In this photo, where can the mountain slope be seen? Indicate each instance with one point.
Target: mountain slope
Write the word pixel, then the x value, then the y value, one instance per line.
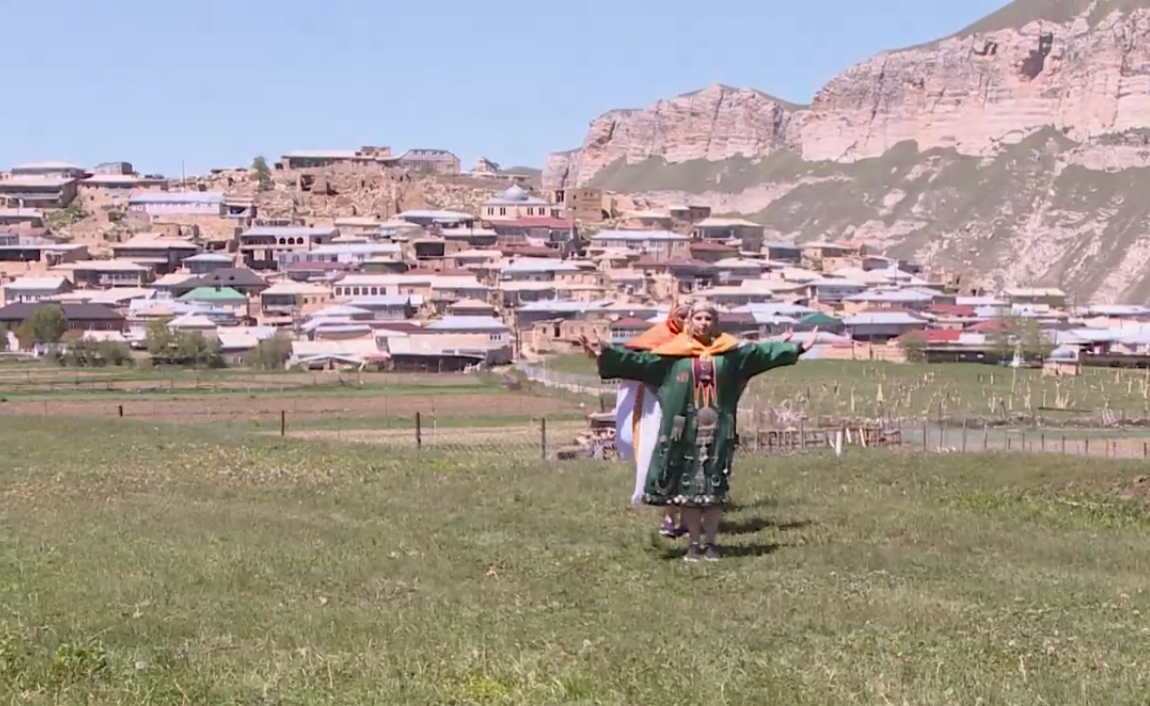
pixel 1013 149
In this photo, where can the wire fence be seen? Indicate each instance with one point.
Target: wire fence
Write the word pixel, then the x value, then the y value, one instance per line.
pixel 467 414
pixel 575 435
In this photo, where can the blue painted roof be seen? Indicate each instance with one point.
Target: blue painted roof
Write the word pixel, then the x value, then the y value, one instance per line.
pixel 205 197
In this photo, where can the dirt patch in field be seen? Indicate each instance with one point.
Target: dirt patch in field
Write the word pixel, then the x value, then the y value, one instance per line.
pixel 80 380
pixel 505 437
pixel 1137 488
pixel 255 409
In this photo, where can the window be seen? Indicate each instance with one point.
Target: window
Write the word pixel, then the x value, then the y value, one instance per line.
pixel 495 337
pixel 355 291
pixel 374 291
pixel 502 211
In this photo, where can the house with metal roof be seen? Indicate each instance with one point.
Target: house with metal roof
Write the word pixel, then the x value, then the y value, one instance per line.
pixel 882 325
pixel 33 289
pixel 37 191
pixel 170 203
pixel 425 160
pixel 80 316
pixel 656 244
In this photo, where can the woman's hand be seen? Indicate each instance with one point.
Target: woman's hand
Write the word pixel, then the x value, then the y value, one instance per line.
pixel 788 335
pixel 812 339
pixel 591 348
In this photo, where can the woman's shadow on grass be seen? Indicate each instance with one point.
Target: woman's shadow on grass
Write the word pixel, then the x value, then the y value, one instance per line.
pixel 737 527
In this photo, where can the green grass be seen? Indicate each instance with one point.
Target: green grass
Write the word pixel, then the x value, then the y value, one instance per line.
pixel 961 390
pixel 205 566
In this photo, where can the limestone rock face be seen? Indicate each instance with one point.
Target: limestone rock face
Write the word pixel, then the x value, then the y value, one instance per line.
pixel 713 124
pixel 1015 151
pixel 971 93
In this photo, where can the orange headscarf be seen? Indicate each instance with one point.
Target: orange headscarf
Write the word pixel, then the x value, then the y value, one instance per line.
pixel 686 345
pixel 656 336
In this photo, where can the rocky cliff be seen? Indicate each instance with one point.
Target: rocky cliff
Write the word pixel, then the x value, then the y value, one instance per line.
pixel 1014 149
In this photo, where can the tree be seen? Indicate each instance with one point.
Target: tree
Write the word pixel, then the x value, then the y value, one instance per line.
pixel 87 353
pixel 46 324
pixel 3 338
pixel 192 348
pixel 1033 340
pixel 262 173
pixel 270 354
pixel 913 345
pixel 158 338
pixel 1002 339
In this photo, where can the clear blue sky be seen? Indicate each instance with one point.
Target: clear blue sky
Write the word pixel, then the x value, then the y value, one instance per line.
pixel 216 82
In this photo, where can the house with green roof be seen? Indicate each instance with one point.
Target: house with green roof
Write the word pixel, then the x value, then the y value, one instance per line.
pixel 218 299
pixel 214 295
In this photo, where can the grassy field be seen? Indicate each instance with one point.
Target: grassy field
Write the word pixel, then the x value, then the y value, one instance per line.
pixel 866 388
pixel 158 565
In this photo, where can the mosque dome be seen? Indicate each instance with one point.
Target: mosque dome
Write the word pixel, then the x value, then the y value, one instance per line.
pixel 515 193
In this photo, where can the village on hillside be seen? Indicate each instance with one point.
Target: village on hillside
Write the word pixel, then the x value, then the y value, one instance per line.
pixel 341 258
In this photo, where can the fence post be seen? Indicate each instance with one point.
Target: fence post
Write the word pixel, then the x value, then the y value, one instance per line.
pixel 1145 449
pixel 418 432
pixel 283 422
pixel 802 436
pixel 1063 443
pixel 1024 448
pixel 985 436
pixel 1009 443
pixel 925 436
pixel 543 437
pixel 1042 441
pixel 964 423
pixel 1088 446
pixel 1113 448
pixel 120 411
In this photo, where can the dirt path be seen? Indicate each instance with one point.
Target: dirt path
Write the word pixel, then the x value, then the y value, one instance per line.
pixel 254 408
pixel 519 436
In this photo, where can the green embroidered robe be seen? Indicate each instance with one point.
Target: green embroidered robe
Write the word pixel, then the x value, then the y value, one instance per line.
pixel 691 465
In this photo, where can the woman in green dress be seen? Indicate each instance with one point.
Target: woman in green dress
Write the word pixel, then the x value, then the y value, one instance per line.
pixel 700 375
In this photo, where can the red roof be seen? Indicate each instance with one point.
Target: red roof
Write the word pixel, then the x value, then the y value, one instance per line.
pixel 952 310
pixel 988 326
